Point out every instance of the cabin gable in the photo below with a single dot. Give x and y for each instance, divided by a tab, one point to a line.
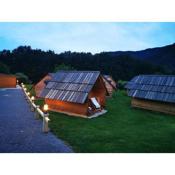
41	85
110	84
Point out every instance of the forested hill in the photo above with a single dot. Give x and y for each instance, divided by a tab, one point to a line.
159	56
36	63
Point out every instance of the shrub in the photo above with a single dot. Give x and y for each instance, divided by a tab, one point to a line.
121	84
22	77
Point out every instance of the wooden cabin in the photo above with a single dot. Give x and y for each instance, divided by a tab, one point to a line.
153	92
42	83
7	81
78	93
110	84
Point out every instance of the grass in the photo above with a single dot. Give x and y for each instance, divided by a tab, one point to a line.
121	130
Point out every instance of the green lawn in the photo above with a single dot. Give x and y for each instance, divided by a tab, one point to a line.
122	129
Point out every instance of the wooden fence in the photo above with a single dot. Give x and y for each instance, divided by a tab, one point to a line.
36	109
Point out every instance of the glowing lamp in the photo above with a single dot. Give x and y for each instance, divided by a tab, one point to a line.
28	93
45	108
25	89
32	98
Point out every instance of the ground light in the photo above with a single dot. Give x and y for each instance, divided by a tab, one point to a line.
32	98
45	108
22	84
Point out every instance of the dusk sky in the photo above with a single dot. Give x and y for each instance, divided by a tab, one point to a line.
86	37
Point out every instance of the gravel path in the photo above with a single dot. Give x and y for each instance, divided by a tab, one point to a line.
20	132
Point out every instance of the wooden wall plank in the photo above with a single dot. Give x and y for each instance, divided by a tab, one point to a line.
167	108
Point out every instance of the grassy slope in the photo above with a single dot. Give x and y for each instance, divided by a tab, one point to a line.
121	129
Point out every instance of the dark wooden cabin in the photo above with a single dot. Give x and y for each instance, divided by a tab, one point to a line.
7	81
110	84
79	93
153	92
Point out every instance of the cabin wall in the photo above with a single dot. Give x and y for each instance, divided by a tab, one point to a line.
7	81
99	91
67	107
40	85
168	108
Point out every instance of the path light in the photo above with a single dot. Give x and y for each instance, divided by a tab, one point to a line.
28	93
25	89
45	108
45	118
17	82
32	98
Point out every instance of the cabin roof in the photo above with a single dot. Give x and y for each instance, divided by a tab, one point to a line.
70	86
153	87
107	76
51	74
108	79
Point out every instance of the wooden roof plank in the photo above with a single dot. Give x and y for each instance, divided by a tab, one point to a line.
153	87
72	86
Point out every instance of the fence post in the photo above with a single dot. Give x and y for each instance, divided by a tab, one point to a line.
36	112
32	108
45	122
26	97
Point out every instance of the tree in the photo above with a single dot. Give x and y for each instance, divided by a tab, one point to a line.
35	63
4	68
22	78
63	67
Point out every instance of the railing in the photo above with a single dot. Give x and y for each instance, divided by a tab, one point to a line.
38	112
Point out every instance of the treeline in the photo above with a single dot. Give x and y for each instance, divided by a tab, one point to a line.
36	63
